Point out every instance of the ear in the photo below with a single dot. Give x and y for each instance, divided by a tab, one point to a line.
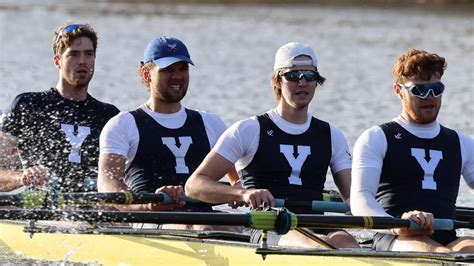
145	73
146	76
56	62
397	90
277	84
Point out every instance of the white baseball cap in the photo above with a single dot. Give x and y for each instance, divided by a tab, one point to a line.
286	54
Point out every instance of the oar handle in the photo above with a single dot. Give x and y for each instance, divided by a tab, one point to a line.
314	206
443	224
168	200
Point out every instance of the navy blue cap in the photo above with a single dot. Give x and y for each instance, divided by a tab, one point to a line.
165	51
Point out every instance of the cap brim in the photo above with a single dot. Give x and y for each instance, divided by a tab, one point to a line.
168	61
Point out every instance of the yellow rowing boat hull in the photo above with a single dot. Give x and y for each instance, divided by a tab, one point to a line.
158	250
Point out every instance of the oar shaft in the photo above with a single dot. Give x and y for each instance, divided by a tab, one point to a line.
130	217
9	200
464	213
38	199
258	220
115	198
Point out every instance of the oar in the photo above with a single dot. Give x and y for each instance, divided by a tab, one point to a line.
38	199
462	213
266	220
465	213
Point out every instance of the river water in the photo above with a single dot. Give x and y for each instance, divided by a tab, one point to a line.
233	48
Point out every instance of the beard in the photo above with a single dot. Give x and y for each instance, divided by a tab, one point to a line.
79	80
170	97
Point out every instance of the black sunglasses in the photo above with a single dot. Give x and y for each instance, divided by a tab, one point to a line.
297	75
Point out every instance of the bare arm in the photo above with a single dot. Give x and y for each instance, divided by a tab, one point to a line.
343	183
203	185
110	179
233	177
10	175
111	173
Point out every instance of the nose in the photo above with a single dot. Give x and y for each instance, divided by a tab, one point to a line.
302	81
176	74
82	58
430	95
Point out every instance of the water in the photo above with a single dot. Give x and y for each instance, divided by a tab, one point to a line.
233	48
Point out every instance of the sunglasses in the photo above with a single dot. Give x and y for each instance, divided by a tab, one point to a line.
297	75
73	27
423	90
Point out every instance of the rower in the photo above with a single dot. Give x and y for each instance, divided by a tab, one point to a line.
284	153
156	147
410	167
52	137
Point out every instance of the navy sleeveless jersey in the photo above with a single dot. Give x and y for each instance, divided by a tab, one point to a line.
60	134
420	174
290	166
167	156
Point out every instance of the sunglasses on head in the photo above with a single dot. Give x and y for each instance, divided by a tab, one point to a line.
73	27
423	90
297	75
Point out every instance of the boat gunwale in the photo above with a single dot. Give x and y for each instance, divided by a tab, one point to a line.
201	237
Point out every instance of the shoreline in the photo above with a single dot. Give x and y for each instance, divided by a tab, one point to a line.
457	6
392	3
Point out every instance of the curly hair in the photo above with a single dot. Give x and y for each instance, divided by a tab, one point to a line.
418	64
63	39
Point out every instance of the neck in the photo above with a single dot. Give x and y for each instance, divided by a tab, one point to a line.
407	118
72	93
293	115
163	107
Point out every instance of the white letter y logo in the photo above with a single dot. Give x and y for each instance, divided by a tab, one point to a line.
295	163
428	167
179	153
75	140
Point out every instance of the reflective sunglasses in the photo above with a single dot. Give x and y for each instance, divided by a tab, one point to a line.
73	27
423	90
296	75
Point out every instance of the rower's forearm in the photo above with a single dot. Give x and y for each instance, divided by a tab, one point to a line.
111	184
132	207
10	179
205	189
342	179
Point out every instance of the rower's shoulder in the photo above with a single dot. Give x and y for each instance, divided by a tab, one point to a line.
208	116
104	108
29	101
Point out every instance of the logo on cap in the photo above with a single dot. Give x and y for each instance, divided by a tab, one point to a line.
165	51
172	47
